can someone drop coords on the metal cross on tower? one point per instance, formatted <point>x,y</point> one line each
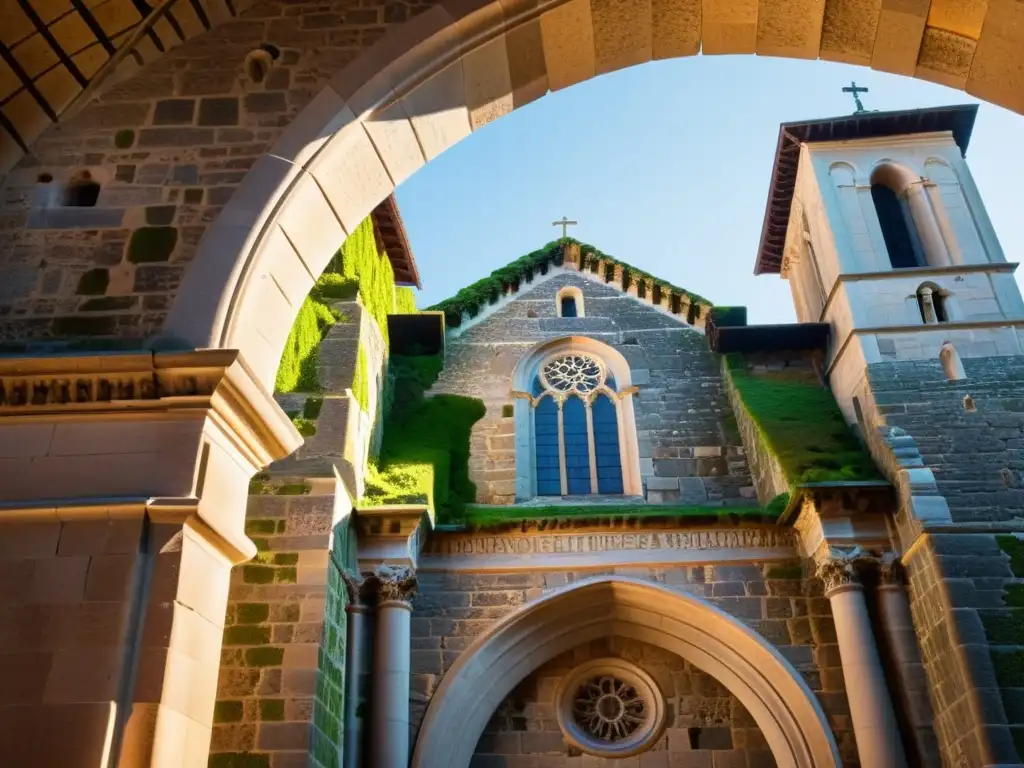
<point>854,89</point>
<point>564,224</point>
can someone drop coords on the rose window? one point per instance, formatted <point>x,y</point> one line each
<point>610,708</point>
<point>573,373</point>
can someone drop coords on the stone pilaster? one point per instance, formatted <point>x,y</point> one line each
<point>355,661</point>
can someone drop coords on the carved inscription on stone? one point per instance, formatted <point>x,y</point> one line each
<point>587,543</point>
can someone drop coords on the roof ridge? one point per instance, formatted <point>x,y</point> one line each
<point>508,279</point>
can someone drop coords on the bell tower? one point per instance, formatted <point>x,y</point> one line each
<point>875,220</point>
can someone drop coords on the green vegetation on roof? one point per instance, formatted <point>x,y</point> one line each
<point>484,516</point>
<point>424,457</point>
<point>359,268</point>
<point>801,425</point>
<point>471,299</point>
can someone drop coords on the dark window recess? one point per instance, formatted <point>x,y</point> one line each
<point>549,470</point>
<point>82,191</point>
<point>898,228</point>
<point>568,306</point>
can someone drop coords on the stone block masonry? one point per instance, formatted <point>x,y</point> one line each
<point>178,135</point>
<point>280,694</point>
<point>688,453</point>
<point>452,610</point>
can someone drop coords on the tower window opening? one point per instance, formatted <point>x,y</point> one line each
<point>932,302</point>
<point>82,191</point>
<point>569,306</point>
<point>898,229</point>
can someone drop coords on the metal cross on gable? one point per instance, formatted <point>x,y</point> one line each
<point>855,89</point>
<point>564,224</point>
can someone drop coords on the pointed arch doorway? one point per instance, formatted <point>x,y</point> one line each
<point>765,683</point>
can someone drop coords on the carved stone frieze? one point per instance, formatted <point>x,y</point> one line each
<point>395,583</point>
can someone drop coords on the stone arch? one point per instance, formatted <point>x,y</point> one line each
<point>522,381</point>
<point>423,87</point>
<point>776,697</point>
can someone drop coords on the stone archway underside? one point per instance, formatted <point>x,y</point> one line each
<point>431,82</point>
<point>773,693</point>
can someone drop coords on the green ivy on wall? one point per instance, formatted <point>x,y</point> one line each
<point>424,458</point>
<point>801,425</point>
<point>359,268</point>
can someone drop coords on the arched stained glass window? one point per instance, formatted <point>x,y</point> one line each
<point>549,468</point>
<point>576,428</point>
<point>606,445</point>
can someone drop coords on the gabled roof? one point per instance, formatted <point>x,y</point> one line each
<point>387,224</point>
<point>587,258</point>
<point>868,125</point>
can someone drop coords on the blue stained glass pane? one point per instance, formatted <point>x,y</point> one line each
<point>577,449</point>
<point>549,475</point>
<point>537,386</point>
<point>606,445</point>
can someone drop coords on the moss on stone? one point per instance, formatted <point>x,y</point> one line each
<point>507,411</point>
<point>124,138</point>
<point>259,526</point>
<point>801,425</point>
<point>239,760</point>
<point>246,635</point>
<point>361,381</point>
<point>405,301</point>
<point>286,558</point>
<point>482,516</point>
<point>281,525</point>
<point>1015,595</point>
<point>108,304</point>
<point>1009,667</point>
<point>257,574</point>
<point>297,370</point>
<point>252,613</point>
<point>305,427</point>
<point>1014,547</point>
<point>1003,626</point>
<point>227,712</point>
<point>311,408</point>
<point>272,709</point>
<point>789,572</point>
<point>152,244</point>
<point>291,489</point>
<point>260,543</point>
<point>285,575</point>
<point>471,299</point>
<point>264,657</point>
<point>93,282</point>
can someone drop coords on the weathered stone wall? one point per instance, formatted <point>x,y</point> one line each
<point>970,434</point>
<point>687,453</point>
<point>452,610</point>
<point>280,694</point>
<point>705,725</point>
<point>169,147</point>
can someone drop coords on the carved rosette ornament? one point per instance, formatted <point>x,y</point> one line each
<point>395,583</point>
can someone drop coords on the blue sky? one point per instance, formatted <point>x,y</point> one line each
<point>666,166</point>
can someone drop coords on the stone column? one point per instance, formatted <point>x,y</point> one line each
<point>874,721</point>
<point>936,253</point>
<point>927,306</point>
<point>391,667</point>
<point>354,659</point>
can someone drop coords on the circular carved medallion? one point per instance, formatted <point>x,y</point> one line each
<point>610,708</point>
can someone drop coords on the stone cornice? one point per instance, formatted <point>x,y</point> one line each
<point>102,386</point>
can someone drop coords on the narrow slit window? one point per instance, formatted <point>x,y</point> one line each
<point>569,306</point>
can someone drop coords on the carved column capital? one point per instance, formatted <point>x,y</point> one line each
<point>891,572</point>
<point>395,583</point>
<point>354,586</point>
<point>841,571</point>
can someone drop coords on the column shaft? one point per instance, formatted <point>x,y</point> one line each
<point>874,722</point>
<point>391,670</point>
<point>353,671</point>
<point>934,246</point>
